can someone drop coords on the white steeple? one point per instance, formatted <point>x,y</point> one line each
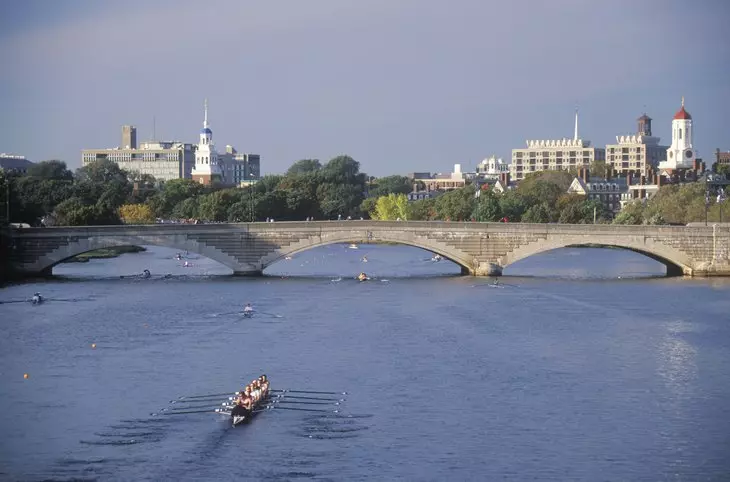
<point>681,154</point>
<point>206,157</point>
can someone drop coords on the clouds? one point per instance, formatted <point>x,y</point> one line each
<point>419,82</point>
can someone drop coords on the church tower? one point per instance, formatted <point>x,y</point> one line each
<point>681,154</point>
<point>206,170</point>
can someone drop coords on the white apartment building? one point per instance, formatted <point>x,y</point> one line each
<point>165,160</point>
<point>554,155</point>
<point>636,154</point>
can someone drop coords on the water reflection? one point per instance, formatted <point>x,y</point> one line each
<point>677,365</point>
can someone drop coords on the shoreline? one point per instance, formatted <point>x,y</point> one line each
<point>104,253</point>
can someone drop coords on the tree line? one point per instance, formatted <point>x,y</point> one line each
<point>103,193</point>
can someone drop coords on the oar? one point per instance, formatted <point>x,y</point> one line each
<point>204,396</point>
<point>312,398</point>
<point>210,410</point>
<point>270,314</point>
<point>307,403</point>
<point>304,409</point>
<point>308,391</point>
<point>13,301</point>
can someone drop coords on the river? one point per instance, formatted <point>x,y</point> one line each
<point>585,364</point>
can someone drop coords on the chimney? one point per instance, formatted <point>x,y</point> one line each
<point>585,175</point>
<point>629,178</point>
<point>609,172</point>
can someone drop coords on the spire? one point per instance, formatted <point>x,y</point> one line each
<point>205,122</point>
<point>575,134</point>
<point>682,101</point>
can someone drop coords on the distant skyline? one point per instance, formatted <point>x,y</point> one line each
<point>401,86</point>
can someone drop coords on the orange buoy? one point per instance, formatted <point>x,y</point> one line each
<point>26,376</point>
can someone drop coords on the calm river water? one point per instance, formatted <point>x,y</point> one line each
<point>581,367</point>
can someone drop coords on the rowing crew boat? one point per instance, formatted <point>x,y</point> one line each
<point>239,414</point>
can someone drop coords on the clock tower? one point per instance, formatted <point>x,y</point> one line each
<point>681,154</point>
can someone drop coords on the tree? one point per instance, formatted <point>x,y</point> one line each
<point>391,208</point>
<point>174,192</point>
<point>390,185</point>
<point>723,169</point>
<point>576,209</point>
<point>538,213</point>
<point>562,179</point>
<point>214,206</point>
<point>75,212</point>
<point>513,205</point>
<point>54,169</point>
<point>339,199</point>
<point>487,207</point>
<point>456,205</point>
<point>136,214</point>
<point>423,210</point>
<point>343,170</point>
<point>35,197</point>
<point>631,213</point>
<point>103,181</point>
<point>540,191</point>
<point>186,209</point>
<point>304,166</point>
<point>367,207</point>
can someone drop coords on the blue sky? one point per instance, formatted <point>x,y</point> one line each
<point>401,86</point>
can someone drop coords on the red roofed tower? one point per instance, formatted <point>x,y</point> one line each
<point>681,154</point>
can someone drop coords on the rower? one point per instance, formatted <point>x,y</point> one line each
<point>37,298</point>
<point>248,309</point>
<point>362,277</point>
<point>146,274</point>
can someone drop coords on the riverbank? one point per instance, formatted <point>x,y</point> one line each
<point>104,253</point>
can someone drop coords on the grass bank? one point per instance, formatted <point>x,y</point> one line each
<point>104,253</point>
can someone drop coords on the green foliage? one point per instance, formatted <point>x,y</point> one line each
<point>423,210</point>
<point>304,166</point>
<point>174,192</point>
<point>562,179</point>
<point>391,208</point>
<point>576,209</point>
<point>539,213</point>
<point>390,185</point>
<point>75,212</point>
<point>723,169</point>
<point>487,208</point>
<point>367,207</point>
<point>513,206</point>
<point>631,213</point>
<point>55,170</point>
<point>456,205</point>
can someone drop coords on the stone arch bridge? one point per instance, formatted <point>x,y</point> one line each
<point>481,249</point>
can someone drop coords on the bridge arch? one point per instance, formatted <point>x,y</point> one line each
<point>46,262</point>
<point>677,263</point>
<point>467,262</point>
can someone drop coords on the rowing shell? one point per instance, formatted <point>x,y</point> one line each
<point>240,415</point>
